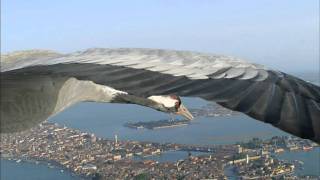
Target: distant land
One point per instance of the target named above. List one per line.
(208, 110)
(157, 124)
(212, 110)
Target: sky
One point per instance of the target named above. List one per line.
(283, 35)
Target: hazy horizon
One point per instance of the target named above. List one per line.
(283, 35)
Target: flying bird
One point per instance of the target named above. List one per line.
(37, 84)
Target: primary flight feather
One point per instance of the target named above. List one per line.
(38, 84)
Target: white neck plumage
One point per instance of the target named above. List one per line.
(165, 100)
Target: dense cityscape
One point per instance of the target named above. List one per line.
(212, 110)
(89, 156)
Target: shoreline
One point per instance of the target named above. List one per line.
(99, 150)
(48, 163)
(157, 124)
(169, 126)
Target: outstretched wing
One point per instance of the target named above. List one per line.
(282, 100)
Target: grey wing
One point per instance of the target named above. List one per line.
(284, 101)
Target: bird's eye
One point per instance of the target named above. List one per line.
(177, 105)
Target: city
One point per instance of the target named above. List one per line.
(88, 156)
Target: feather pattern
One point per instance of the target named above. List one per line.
(274, 97)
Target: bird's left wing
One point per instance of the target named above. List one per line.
(282, 100)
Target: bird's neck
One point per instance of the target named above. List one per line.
(74, 91)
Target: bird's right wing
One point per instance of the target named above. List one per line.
(282, 100)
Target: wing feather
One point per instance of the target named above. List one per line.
(282, 100)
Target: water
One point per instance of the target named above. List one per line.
(106, 120)
(311, 160)
(11, 170)
(229, 172)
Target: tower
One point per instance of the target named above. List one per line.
(247, 159)
(116, 140)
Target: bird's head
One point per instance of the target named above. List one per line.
(171, 104)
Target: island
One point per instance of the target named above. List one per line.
(92, 157)
(157, 124)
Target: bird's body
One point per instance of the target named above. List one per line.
(28, 100)
(37, 85)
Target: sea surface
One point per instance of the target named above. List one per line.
(106, 120)
(11, 170)
(311, 160)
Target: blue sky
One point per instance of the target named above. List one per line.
(280, 34)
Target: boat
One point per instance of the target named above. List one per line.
(307, 148)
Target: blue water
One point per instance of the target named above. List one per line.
(311, 160)
(106, 120)
(10, 170)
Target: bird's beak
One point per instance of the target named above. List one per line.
(183, 111)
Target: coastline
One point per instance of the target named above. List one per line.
(49, 163)
(170, 126)
(98, 156)
(160, 124)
